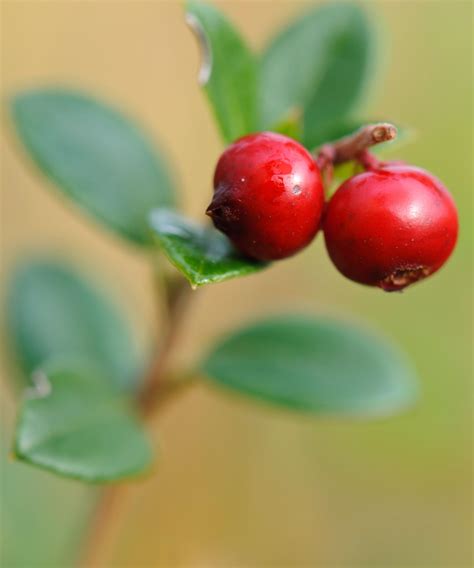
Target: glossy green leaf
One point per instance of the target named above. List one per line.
(73, 424)
(96, 156)
(228, 70)
(55, 312)
(319, 64)
(201, 253)
(317, 366)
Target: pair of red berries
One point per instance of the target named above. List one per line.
(388, 226)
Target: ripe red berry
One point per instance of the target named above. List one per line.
(268, 196)
(390, 226)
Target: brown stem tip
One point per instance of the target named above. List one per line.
(350, 147)
(382, 132)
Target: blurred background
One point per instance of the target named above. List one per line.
(237, 484)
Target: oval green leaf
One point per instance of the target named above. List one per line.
(73, 425)
(320, 64)
(316, 366)
(96, 156)
(202, 254)
(54, 312)
(228, 70)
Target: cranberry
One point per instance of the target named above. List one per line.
(268, 196)
(390, 226)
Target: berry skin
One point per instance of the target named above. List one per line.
(268, 196)
(390, 226)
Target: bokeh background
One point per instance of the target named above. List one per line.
(237, 484)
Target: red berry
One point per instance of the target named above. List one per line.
(268, 196)
(390, 226)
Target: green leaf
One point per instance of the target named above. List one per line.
(72, 424)
(228, 72)
(55, 312)
(96, 156)
(290, 126)
(201, 253)
(319, 64)
(317, 366)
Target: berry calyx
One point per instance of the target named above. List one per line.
(390, 226)
(268, 196)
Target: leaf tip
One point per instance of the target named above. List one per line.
(41, 386)
(205, 69)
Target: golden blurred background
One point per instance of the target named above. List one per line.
(236, 484)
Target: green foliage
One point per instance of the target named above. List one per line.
(73, 424)
(202, 254)
(228, 73)
(320, 64)
(54, 312)
(96, 156)
(317, 366)
(309, 78)
(73, 342)
(290, 126)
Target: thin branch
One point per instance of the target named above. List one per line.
(154, 392)
(100, 525)
(178, 295)
(355, 145)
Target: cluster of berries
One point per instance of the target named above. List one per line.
(389, 226)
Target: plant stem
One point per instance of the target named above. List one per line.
(177, 295)
(100, 525)
(355, 147)
(155, 391)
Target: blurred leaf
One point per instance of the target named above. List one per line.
(228, 72)
(35, 529)
(320, 64)
(72, 424)
(201, 253)
(311, 365)
(290, 126)
(55, 312)
(96, 156)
